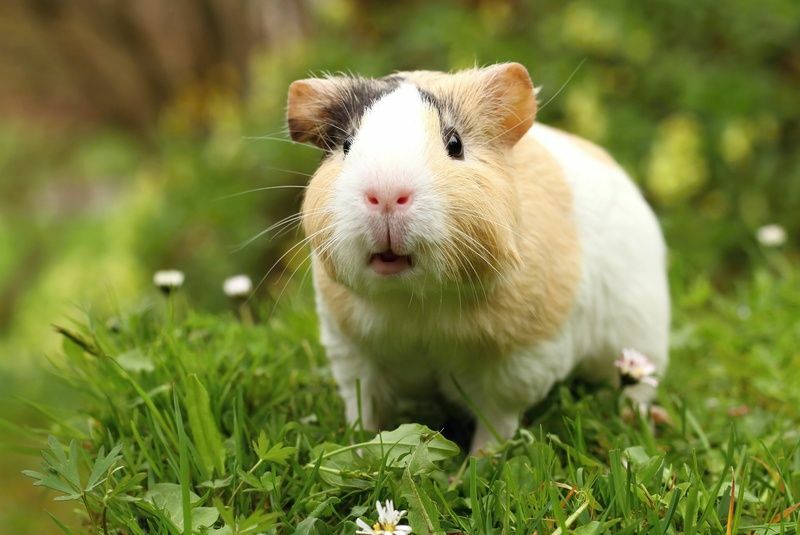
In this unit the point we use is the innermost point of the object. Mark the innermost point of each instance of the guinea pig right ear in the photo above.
(306, 110)
(512, 99)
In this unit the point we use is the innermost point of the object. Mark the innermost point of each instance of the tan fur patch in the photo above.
(529, 303)
(540, 297)
(317, 217)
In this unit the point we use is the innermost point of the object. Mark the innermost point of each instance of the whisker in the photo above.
(327, 245)
(288, 220)
(264, 188)
(479, 244)
(294, 225)
(474, 270)
(291, 276)
(272, 138)
(560, 89)
(301, 243)
(283, 170)
(477, 214)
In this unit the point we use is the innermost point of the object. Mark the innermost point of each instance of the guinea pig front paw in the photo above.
(486, 441)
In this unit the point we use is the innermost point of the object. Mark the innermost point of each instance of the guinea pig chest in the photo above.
(461, 249)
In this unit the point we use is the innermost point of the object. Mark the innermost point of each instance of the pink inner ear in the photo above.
(516, 100)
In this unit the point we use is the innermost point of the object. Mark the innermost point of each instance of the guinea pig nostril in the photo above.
(372, 199)
(403, 199)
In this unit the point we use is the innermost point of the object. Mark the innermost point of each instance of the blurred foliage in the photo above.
(698, 100)
(120, 62)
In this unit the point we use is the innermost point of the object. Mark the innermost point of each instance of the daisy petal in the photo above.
(650, 380)
(365, 528)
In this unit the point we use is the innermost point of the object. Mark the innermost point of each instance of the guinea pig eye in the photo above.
(455, 149)
(346, 145)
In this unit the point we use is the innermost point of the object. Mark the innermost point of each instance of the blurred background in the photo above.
(130, 133)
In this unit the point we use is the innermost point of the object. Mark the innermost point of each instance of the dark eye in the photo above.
(346, 144)
(455, 149)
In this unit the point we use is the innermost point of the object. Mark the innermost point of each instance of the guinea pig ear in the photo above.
(511, 98)
(306, 108)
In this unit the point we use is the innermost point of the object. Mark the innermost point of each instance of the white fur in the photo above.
(388, 152)
(403, 354)
(623, 300)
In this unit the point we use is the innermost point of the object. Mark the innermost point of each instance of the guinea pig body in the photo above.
(459, 249)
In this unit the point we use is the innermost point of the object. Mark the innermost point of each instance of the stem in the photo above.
(573, 517)
(88, 511)
(239, 486)
(337, 452)
(246, 314)
(345, 472)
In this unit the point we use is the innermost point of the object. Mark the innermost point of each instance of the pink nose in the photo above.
(388, 201)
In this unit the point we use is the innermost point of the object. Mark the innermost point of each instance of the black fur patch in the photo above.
(431, 99)
(342, 115)
(445, 109)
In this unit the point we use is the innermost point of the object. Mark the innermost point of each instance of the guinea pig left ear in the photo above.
(512, 99)
(306, 109)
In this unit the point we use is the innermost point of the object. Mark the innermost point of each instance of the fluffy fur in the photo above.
(533, 257)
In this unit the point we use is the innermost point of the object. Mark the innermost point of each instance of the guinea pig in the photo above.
(459, 249)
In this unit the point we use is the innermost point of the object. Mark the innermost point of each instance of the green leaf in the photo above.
(61, 470)
(217, 483)
(310, 526)
(166, 497)
(135, 361)
(268, 482)
(225, 512)
(257, 522)
(277, 454)
(396, 447)
(102, 465)
(65, 465)
(206, 435)
(203, 517)
(399, 443)
(423, 516)
(357, 465)
(592, 528)
(53, 482)
(261, 446)
(250, 479)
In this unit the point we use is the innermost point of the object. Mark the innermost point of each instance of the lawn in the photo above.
(235, 427)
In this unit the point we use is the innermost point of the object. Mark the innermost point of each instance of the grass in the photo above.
(191, 419)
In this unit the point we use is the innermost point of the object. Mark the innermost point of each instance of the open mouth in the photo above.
(389, 263)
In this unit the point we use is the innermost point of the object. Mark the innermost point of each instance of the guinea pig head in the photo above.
(415, 186)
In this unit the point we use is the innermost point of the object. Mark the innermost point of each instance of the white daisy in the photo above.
(771, 235)
(237, 286)
(387, 524)
(634, 367)
(168, 280)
